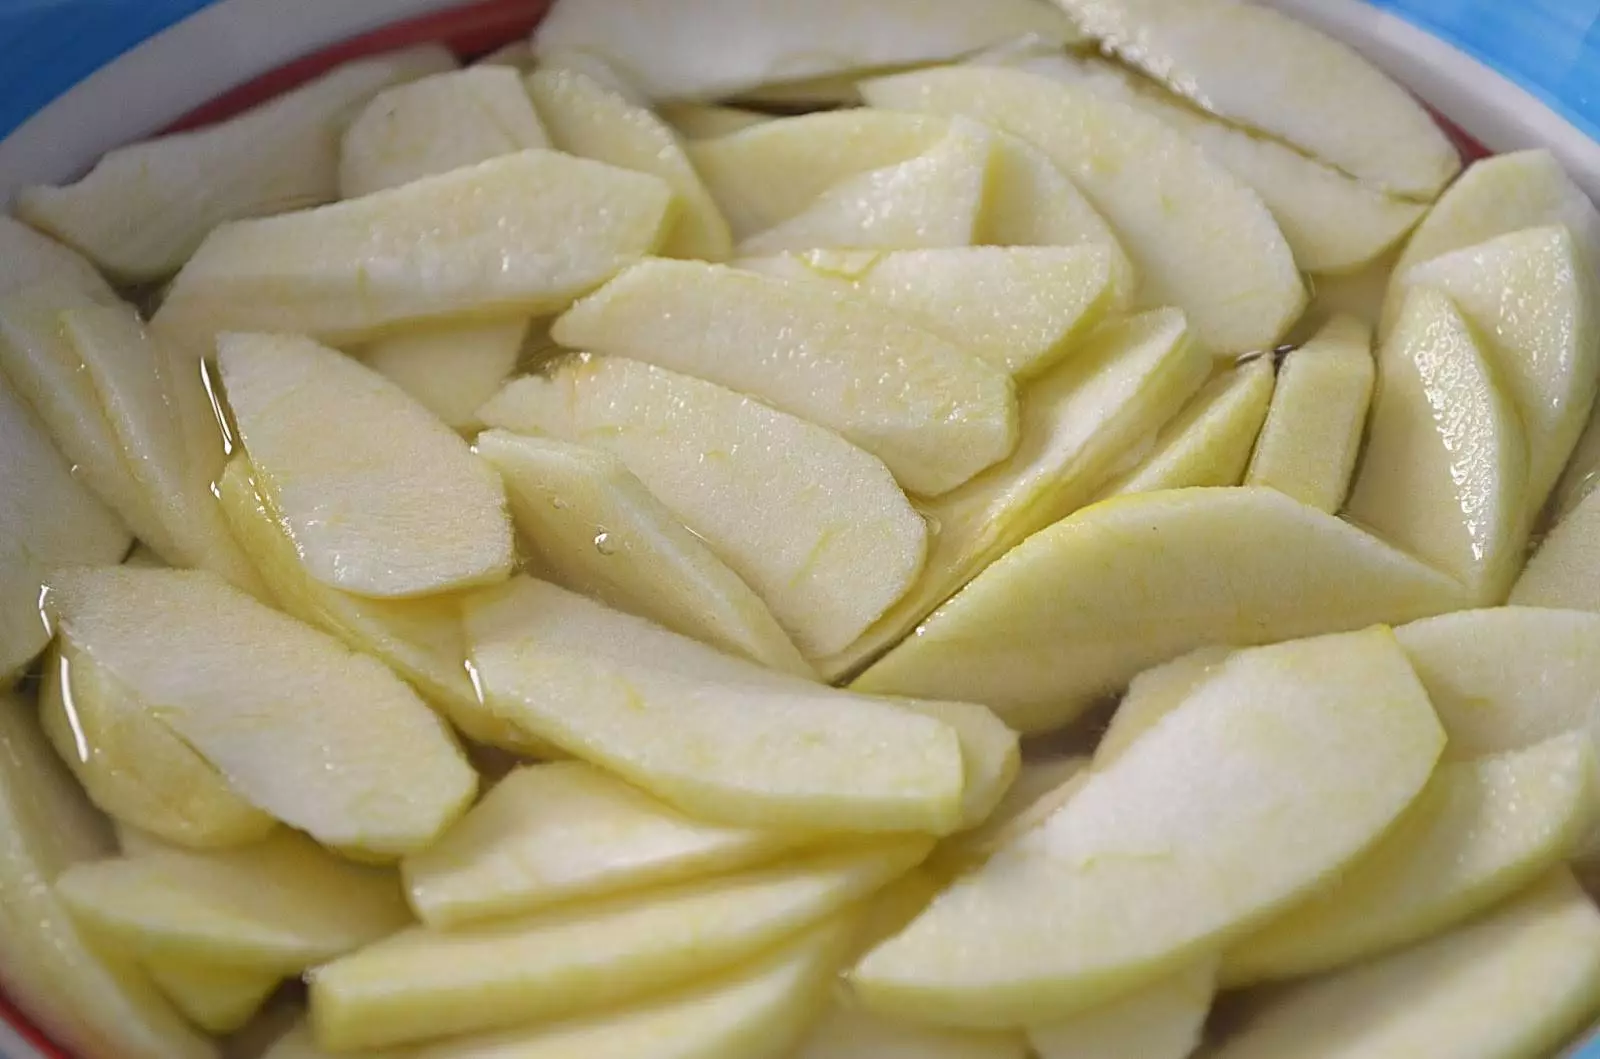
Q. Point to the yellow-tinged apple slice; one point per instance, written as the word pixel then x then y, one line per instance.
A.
pixel 1263 70
pixel 325 740
pixel 1312 436
pixel 88 999
pixel 813 525
pixel 589 120
pixel 1565 571
pixel 1028 802
pixel 717 737
pixel 599 531
pixel 143 209
pixel 32 259
pixel 450 371
pixel 421 983
pixel 1077 421
pixel 132 766
pixel 1156 861
pixel 850 1032
pixel 356 468
pixel 1480 831
pixel 935 199
pixel 1531 299
pixel 707 121
pixel 283 904
pixel 566 831
pixel 1165 199
pixel 1209 442
pixel 353 270
pixel 217 998
pixel 1076 611
pixel 436 124
pixel 710 49
pixel 934 413
pixel 1154 694
pixel 1518 982
pixel 1445 473
pixel 989 752
pixel 1163 1020
pixel 1582 473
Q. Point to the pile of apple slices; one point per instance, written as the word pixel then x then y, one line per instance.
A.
pixel 564 563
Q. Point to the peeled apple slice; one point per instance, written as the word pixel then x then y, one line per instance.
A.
pixel 1327 740
pixel 143 209
pixel 588 120
pixel 450 371
pixel 707 121
pixel 1263 70
pixel 850 1032
pixel 594 955
pixel 1565 571
pixel 717 737
pixel 325 740
pixel 568 831
pixel 1515 983
pixel 354 466
pixel 353 270
pixel 32 259
pixel 1445 474
pixel 935 414
pixel 1478 833
pixel 436 124
pixel 1154 694
pixel 1034 795
pixel 599 531
pixel 1312 436
pixel 989 753
pixel 813 525
pixel 1161 1021
pixel 1074 613
pixel 1164 198
pixel 216 998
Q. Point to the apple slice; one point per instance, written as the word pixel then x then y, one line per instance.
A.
pixel 989 753
pixel 1076 422
pixel 1161 1021
pixel 1582 473
pixel 813 525
pixel 351 271
pixel 281 905
pixel 548 834
pixel 1478 833
pixel 1154 694
pixel 436 124
pixel 1210 440
pixel 354 466
pixel 717 737
pixel 707 121
pixel 86 998
pixel 1164 198
pixel 1261 69
pixel 935 414
pixel 450 371
pixel 1074 612
pixel 1445 475
pixel 599 531
pixel 217 998
pixel 595 955
pixel 1518 982
pixel 1565 571
pixel 1312 436
pixel 1327 741
pixel 587 119
pixel 1031 799
pixel 327 741
pixel 849 1032
pixel 32 259
pixel 132 766
pixel 710 49
pixel 935 199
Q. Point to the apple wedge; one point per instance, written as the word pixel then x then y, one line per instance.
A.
pixel 1164 198
pixel 450 371
pixel 1164 1020
pixel 1308 447
pixel 327 741
pixel 710 49
pixel 715 736
pixel 934 413
pixel 1261 69
pixel 32 259
pixel 351 271
pixel 354 466
pixel 1031 799
pixel 1077 421
pixel 1478 833
pixel 1154 694
pixel 1074 612
pixel 707 121
pixel 1518 982
pixel 599 531
pixel 1582 472
pixel 813 525
pixel 989 753
pixel 216 998
pixel 1445 474
pixel 587 119
pixel 1209 442
pixel 1565 571
pixel 850 1032
pixel 435 124
pixel 1327 740
pixel 595 955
